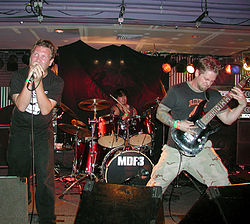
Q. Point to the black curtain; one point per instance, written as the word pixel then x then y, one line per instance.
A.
pixel 87 75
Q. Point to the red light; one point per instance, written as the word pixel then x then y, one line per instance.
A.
pixel 166 67
pixel 228 69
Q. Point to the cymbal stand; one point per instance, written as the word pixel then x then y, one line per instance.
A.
pixel 75 171
pixel 92 164
pixel 126 123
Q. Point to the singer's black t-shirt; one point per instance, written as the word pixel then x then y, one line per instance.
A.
pixel 53 87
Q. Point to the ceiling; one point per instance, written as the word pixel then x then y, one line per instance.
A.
pixel 165 26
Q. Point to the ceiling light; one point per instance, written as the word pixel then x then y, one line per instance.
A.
pixel 190 68
pixel 166 67
pixel 246 64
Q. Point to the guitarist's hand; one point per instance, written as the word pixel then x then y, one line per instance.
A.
pixel 187 126
pixel 237 94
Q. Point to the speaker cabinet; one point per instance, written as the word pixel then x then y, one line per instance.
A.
pixel 224 204
pixel 4 137
pixel 243 142
pixel 112 203
pixel 13 200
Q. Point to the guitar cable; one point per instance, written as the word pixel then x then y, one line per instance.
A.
pixel 175 184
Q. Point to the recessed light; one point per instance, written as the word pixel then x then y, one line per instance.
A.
pixel 59 31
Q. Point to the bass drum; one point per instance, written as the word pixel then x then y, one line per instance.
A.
pixel 124 165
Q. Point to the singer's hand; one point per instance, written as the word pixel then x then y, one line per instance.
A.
pixel 36 71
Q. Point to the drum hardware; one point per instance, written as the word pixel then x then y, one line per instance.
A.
pixel 89 105
pixel 142 174
pixel 78 132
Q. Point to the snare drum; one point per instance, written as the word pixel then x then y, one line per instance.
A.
pixel 126 167
pixel 140 131
pixel 108 131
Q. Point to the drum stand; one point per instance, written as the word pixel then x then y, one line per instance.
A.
pixel 90 173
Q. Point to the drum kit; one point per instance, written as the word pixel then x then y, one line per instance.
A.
pixel 110 149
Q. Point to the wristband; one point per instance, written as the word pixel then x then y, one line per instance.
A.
pixel 177 124
pixel 26 81
pixel 126 114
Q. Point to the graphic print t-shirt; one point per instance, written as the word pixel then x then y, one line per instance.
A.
pixel 183 102
pixel 53 87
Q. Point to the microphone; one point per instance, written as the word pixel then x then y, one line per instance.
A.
pixel 30 81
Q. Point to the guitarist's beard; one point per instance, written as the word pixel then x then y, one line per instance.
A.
pixel 202 88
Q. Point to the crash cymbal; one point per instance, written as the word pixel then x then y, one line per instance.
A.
pixel 94 104
pixel 74 129
pixel 68 110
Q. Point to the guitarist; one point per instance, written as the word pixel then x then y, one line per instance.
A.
pixel 176 107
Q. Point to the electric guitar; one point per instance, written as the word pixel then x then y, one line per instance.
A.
pixel 192 144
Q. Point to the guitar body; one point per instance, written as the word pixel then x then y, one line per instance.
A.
pixel 188 144
pixel 191 145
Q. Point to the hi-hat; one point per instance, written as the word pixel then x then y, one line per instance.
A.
pixel 94 104
pixel 68 110
pixel 75 122
pixel 75 130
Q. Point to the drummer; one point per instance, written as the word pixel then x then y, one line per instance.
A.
pixel 121 108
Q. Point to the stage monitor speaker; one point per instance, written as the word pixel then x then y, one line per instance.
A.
pixel 4 137
pixel 124 204
pixel 13 200
pixel 243 142
pixel 223 204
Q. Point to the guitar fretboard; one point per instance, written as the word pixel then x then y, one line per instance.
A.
pixel 221 104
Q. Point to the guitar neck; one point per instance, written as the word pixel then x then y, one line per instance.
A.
pixel 221 104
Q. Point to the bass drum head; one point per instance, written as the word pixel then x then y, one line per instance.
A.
pixel 127 167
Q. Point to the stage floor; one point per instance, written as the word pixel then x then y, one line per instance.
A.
pixel 176 201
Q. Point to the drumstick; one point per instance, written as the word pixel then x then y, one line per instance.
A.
pixel 124 108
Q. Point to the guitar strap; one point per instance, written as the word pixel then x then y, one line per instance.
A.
pixel 207 96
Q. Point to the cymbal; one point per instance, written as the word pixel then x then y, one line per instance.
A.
pixel 74 129
pixel 68 110
pixel 92 104
pixel 152 104
pixel 78 123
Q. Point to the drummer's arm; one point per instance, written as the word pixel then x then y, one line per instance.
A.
pixel 115 111
pixel 134 111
